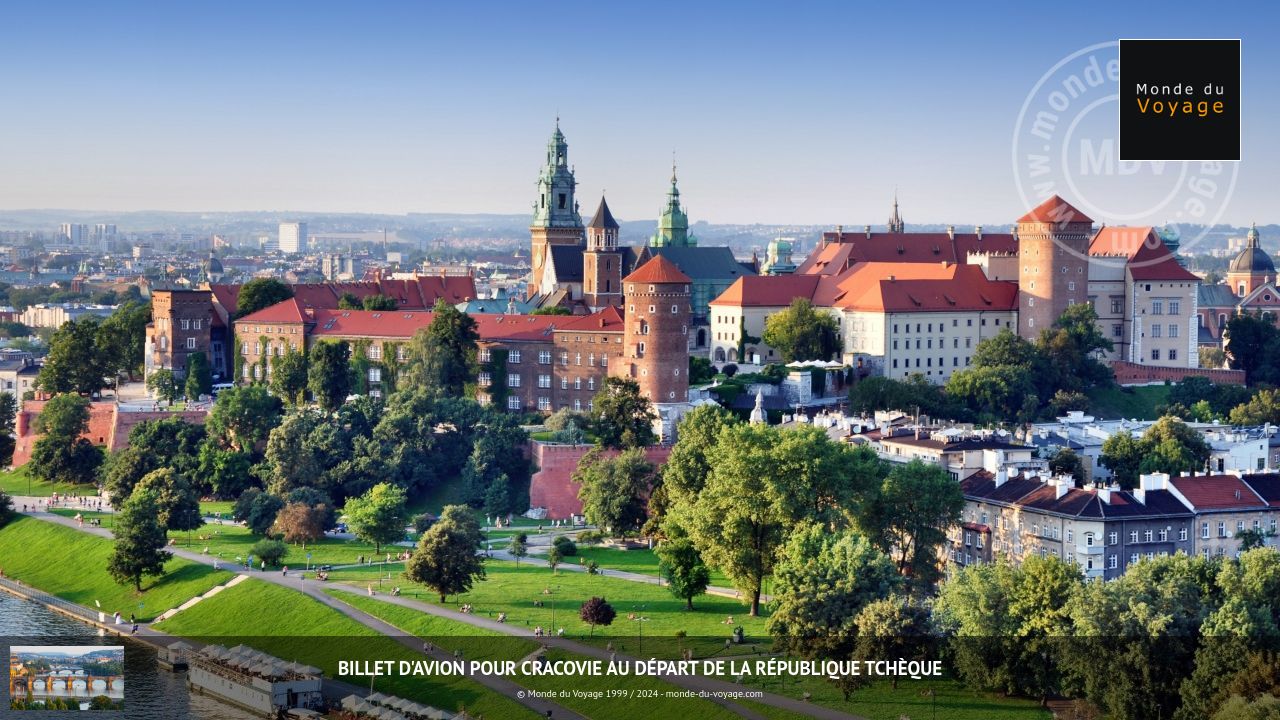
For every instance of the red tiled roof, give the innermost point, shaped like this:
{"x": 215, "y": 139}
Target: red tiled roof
{"x": 916, "y": 287}
{"x": 419, "y": 293}
{"x": 845, "y": 249}
{"x": 767, "y": 290}
{"x": 285, "y": 311}
{"x": 1217, "y": 492}
{"x": 1148, "y": 258}
{"x": 405, "y": 324}
{"x": 1055, "y": 210}
{"x": 607, "y": 320}
{"x": 658, "y": 270}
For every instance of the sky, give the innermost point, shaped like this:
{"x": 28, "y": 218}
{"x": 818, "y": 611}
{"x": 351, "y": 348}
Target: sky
{"x": 777, "y": 112}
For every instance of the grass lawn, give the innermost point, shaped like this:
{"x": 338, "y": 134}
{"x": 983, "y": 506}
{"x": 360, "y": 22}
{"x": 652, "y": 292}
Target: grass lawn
{"x": 20, "y": 482}
{"x": 72, "y": 565}
{"x": 640, "y": 560}
{"x": 216, "y": 507}
{"x": 1110, "y": 403}
{"x": 229, "y": 541}
{"x": 480, "y": 644}
{"x": 880, "y": 701}
{"x": 292, "y": 626}
{"x": 513, "y": 590}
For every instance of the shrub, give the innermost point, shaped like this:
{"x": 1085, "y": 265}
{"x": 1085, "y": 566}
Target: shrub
{"x": 590, "y": 537}
{"x": 565, "y": 545}
{"x": 422, "y": 522}
{"x": 270, "y": 551}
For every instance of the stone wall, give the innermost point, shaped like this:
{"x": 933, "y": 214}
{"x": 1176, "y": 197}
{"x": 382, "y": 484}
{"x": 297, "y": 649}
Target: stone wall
{"x": 1133, "y": 374}
{"x": 108, "y": 426}
{"x": 552, "y": 486}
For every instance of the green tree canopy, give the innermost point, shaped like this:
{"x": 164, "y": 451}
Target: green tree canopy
{"x": 177, "y": 503}
{"x": 75, "y": 362}
{"x": 448, "y": 558}
{"x": 261, "y": 293}
{"x": 62, "y": 454}
{"x": 802, "y": 333}
{"x": 242, "y": 417}
{"x": 199, "y": 376}
{"x": 8, "y": 414}
{"x": 257, "y": 510}
{"x": 163, "y": 385}
{"x": 442, "y": 356}
{"x": 620, "y": 416}
{"x": 140, "y": 538}
{"x": 329, "y": 374}
{"x": 909, "y": 516}
{"x": 378, "y": 516}
{"x": 614, "y": 489}
{"x": 289, "y": 377}
{"x": 687, "y": 575}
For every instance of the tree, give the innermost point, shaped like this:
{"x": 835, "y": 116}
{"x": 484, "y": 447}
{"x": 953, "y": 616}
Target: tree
{"x": 199, "y": 376}
{"x": 257, "y": 510}
{"x": 448, "y": 558}
{"x": 242, "y": 417}
{"x": 163, "y": 385}
{"x": 349, "y": 301}
{"x": 893, "y": 627}
{"x": 261, "y": 293}
{"x": 62, "y": 454}
{"x": 329, "y": 375}
{"x": 687, "y": 575}
{"x": 289, "y": 377}
{"x": 1263, "y": 407}
{"x": 614, "y": 489}
{"x": 996, "y": 393}
{"x": 518, "y": 547}
{"x": 597, "y": 611}
{"x": 621, "y": 417}
{"x": 700, "y": 370}
{"x": 443, "y": 355}
{"x": 1264, "y": 707}
{"x": 378, "y": 516}
{"x": 1213, "y": 357}
{"x": 1250, "y": 538}
{"x": 379, "y": 302}
{"x": 1122, "y": 454}
{"x": 1067, "y": 462}
{"x": 6, "y": 509}
{"x": 223, "y": 473}
{"x": 139, "y": 541}
{"x": 688, "y": 464}
{"x": 802, "y": 333}
{"x": 269, "y": 551}
{"x": 8, "y": 414}
{"x": 1171, "y": 446}
{"x": 821, "y": 582}
{"x": 551, "y": 310}
{"x": 554, "y": 557}
{"x": 1072, "y": 348}
{"x": 171, "y": 443}
{"x": 299, "y": 523}
{"x": 74, "y": 363}
{"x": 909, "y": 517}
{"x": 1252, "y": 341}
{"x": 177, "y": 504}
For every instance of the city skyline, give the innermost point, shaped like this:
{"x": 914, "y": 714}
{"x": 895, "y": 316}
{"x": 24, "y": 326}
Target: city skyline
{"x": 799, "y": 116}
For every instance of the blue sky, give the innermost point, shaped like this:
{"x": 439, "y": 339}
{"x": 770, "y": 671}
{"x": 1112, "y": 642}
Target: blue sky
{"x": 779, "y": 112}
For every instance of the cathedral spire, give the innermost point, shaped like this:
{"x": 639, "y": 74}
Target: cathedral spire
{"x": 555, "y": 205}
{"x": 895, "y": 221}
{"x": 673, "y": 222}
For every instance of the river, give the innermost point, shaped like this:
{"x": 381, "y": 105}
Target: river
{"x": 151, "y": 692}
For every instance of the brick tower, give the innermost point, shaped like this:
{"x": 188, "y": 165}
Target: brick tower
{"x": 1053, "y": 263}
{"x": 656, "y": 338}
{"x": 602, "y": 261}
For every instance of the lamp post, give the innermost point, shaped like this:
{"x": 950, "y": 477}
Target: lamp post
{"x": 640, "y": 621}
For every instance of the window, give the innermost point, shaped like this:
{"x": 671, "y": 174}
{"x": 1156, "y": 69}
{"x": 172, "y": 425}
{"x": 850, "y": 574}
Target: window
{"x": 1116, "y": 306}
{"x": 604, "y": 360}
{"x": 577, "y": 383}
{"x": 1204, "y": 530}
{"x": 186, "y": 324}
{"x": 1173, "y": 330}
{"x": 1182, "y": 535}
{"x": 514, "y": 357}
{"x": 1164, "y": 535}
{"x": 513, "y": 402}
{"x": 244, "y": 348}
{"x": 1174, "y": 307}
{"x": 1222, "y": 529}
{"x": 675, "y": 309}
{"x": 1157, "y": 307}
{"x": 591, "y": 383}
{"x": 1112, "y": 538}
{"x": 1112, "y": 562}
{"x": 544, "y": 404}
{"x": 1155, "y": 354}
{"x": 513, "y": 380}
{"x": 591, "y": 359}
{"x": 564, "y": 357}
{"x": 484, "y": 380}
{"x": 1070, "y": 534}
{"x": 375, "y": 374}
{"x": 191, "y": 343}
{"x": 1133, "y": 536}
{"x": 483, "y": 355}
{"x": 577, "y": 404}
{"x": 544, "y": 357}
{"x": 1155, "y": 331}
{"x": 544, "y": 381}
{"x": 564, "y": 383}
{"x": 1117, "y": 330}
{"x": 375, "y": 352}
{"x": 1147, "y": 536}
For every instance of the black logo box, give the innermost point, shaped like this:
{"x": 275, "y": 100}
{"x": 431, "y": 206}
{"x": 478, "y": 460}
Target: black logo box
{"x": 1186, "y": 69}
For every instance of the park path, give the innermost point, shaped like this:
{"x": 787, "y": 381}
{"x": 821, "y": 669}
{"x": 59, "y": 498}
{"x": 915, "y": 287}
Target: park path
{"x": 314, "y": 590}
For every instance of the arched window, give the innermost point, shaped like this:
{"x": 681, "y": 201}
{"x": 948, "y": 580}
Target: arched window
{"x": 719, "y": 354}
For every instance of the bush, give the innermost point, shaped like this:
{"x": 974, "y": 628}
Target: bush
{"x": 561, "y": 419}
{"x": 422, "y": 522}
{"x": 729, "y": 370}
{"x": 271, "y": 551}
{"x": 590, "y": 537}
{"x": 565, "y": 545}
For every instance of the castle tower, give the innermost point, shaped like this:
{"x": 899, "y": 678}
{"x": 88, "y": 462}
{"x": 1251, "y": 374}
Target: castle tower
{"x": 1252, "y": 268}
{"x": 673, "y": 223}
{"x": 602, "y": 261}
{"x": 555, "y": 213}
{"x": 1053, "y": 263}
{"x": 895, "y": 223}
{"x": 656, "y": 338}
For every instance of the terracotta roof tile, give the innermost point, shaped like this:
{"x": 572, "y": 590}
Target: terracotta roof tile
{"x": 1055, "y": 210}
{"x": 1217, "y": 492}
{"x": 658, "y": 270}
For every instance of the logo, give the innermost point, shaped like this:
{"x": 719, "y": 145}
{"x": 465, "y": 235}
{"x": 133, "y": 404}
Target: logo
{"x": 1066, "y": 141}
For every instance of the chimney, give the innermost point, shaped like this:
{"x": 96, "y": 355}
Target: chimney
{"x": 951, "y": 232}
{"x": 1002, "y": 475}
{"x": 892, "y": 278}
{"x": 978, "y": 231}
{"x": 867, "y": 229}
{"x": 1104, "y": 494}
{"x": 1061, "y": 487}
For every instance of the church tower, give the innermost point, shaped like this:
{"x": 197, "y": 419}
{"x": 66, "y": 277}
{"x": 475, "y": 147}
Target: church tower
{"x": 1252, "y": 268}
{"x": 673, "y": 224}
{"x": 602, "y": 261}
{"x": 895, "y": 223}
{"x": 1053, "y": 263}
{"x": 555, "y": 213}
{"x": 656, "y": 338}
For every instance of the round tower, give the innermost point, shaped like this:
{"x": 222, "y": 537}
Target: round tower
{"x": 656, "y": 333}
{"x": 1053, "y": 263}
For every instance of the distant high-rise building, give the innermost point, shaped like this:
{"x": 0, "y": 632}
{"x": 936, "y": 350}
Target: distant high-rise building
{"x": 293, "y": 237}
{"x": 74, "y": 233}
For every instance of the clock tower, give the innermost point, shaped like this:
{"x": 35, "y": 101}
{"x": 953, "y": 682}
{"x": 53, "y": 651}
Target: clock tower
{"x": 556, "y": 220}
